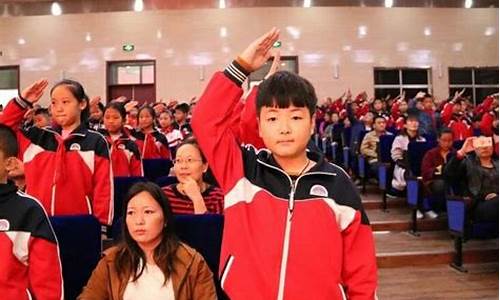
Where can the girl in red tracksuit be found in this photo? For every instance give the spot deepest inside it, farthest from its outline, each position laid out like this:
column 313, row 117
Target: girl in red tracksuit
column 67, row 167
column 152, row 143
column 125, row 155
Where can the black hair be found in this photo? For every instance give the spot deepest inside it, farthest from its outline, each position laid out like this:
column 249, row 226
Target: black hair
column 378, row 116
column 184, row 107
column 100, row 106
column 78, row 92
column 41, row 111
column 118, row 107
column 8, row 141
column 149, row 109
column 192, row 141
column 131, row 260
column 283, row 89
column 445, row 130
column 158, row 103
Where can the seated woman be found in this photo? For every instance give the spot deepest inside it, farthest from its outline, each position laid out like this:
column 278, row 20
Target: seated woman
column 432, row 168
column 193, row 195
column 151, row 263
column 476, row 161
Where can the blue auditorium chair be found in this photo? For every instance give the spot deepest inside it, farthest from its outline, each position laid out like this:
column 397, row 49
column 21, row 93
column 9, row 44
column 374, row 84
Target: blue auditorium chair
column 415, row 155
column 461, row 226
column 156, row 168
column 346, row 141
column 79, row 239
column 166, row 181
column 121, row 186
column 385, row 166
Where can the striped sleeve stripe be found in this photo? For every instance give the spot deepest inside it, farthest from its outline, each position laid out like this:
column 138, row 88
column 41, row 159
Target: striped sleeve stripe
column 236, row 73
column 23, row 103
column 237, row 70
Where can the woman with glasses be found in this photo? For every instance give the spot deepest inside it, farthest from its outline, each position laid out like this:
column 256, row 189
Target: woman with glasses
column 193, row 195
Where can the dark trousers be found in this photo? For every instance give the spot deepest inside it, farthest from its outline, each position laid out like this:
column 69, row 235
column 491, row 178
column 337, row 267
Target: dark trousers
column 486, row 211
column 437, row 189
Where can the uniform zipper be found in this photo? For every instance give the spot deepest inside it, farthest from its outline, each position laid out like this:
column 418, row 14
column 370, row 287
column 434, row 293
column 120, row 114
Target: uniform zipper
column 289, row 215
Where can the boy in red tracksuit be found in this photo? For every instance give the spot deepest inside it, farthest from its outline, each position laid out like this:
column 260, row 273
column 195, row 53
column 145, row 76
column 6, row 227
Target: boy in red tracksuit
column 294, row 224
column 29, row 256
column 67, row 167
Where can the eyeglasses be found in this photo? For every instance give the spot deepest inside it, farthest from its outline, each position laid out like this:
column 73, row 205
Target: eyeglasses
column 188, row 161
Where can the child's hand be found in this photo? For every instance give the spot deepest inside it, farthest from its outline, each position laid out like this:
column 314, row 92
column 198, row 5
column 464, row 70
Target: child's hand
column 94, row 101
column 275, row 65
column 34, row 92
column 120, row 99
column 258, row 52
column 28, row 116
column 130, row 105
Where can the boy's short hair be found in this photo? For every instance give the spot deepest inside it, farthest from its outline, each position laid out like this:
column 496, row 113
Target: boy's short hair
column 184, row 107
column 41, row 111
column 285, row 88
column 378, row 116
column 444, row 130
column 8, row 141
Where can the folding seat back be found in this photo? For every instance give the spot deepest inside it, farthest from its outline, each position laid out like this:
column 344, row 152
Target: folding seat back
column 79, row 239
column 156, row 168
column 166, row 181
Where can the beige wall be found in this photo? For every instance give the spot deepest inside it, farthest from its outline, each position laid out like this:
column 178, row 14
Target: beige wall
column 190, row 38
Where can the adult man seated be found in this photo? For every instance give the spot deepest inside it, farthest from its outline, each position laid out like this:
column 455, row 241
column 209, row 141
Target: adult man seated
column 369, row 145
column 475, row 160
column 432, row 168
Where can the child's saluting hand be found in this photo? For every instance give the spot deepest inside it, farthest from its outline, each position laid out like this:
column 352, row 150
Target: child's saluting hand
column 258, row 52
column 34, row 92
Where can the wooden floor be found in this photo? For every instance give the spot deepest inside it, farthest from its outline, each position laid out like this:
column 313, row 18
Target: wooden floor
column 439, row 282
column 413, row 267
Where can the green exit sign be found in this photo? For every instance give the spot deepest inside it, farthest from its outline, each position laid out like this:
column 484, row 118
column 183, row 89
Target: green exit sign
column 128, row 47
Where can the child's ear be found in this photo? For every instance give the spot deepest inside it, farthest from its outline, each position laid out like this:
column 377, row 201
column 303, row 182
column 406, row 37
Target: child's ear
column 83, row 104
column 10, row 163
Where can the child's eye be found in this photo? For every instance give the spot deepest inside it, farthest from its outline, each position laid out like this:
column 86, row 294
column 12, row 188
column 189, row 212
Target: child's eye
column 296, row 118
column 129, row 213
column 148, row 212
column 272, row 119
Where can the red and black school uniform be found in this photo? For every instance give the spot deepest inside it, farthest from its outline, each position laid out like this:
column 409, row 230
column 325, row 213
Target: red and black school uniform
column 69, row 175
column 151, row 145
column 125, row 155
column 29, row 255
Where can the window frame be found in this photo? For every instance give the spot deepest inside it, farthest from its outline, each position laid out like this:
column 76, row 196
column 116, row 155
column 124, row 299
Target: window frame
column 401, row 86
column 473, row 86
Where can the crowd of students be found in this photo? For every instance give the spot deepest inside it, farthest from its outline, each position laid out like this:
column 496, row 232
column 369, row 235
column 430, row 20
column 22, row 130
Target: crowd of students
column 473, row 130
column 289, row 213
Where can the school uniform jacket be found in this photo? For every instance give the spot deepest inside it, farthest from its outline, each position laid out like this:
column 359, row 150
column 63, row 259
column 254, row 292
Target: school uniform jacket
column 125, row 155
column 151, row 145
column 29, row 257
column 69, row 176
column 283, row 239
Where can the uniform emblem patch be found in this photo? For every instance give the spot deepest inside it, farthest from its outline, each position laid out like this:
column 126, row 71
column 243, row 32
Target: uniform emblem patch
column 75, row 147
column 319, row 190
column 4, row 225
